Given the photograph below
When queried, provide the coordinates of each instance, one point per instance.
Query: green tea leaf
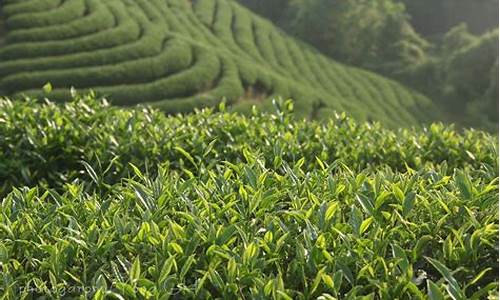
(47, 88)
(408, 203)
(135, 270)
(186, 155)
(366, 204)
(433, 291)
(330, 211)
(453, 289)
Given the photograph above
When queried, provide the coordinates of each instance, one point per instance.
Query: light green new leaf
(135, 270)
(330, 211)
(186, 155)
(47, 88)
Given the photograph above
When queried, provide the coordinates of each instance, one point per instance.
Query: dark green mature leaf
(464, 185)
(453, 288)
(366, 204)
(408, 203)
(90, 172)
(433, 291)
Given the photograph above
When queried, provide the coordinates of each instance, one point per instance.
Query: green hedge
(284, 56)
(127, 30)
(149, 44)
(150, 10)
(223, 25)
(319, 69)
(204, 10)
(116, 47)
(99, 18)
(202, 29)
(173, 58)
(205, 68)
(133, 203)
(229, 85)
(193, 29)
(11, 8)
(243, 33)
(300, 63)
(263, 43)
(174, 24)
(68, 11)
(377, 96)
(38, 148)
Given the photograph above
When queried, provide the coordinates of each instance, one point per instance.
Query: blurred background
(446, 49)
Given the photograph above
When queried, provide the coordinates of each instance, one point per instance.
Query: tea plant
(103, 202)
(179, 55)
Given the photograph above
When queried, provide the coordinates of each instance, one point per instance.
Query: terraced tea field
(2, 29)
(179, 54)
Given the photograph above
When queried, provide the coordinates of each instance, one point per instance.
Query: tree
(456, 69)
(471, 81)
(436, 17)
(370, 33)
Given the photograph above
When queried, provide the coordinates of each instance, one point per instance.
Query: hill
(101, 202)
(2, 28)
(180, 54)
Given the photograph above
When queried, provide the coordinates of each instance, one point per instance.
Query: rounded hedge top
(125, 50)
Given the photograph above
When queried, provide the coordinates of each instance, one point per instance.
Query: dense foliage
(371, 34)
(429, 17)
(179, 54)
(103, 201)
(436, 17)
(463, 74)
(378, 35)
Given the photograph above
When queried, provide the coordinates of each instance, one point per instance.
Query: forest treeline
(447, 49)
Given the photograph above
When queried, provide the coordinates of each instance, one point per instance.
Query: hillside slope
(2, 28)
(179, 54)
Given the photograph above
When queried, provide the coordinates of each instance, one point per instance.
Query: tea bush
(67, 42)
(99, 201)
